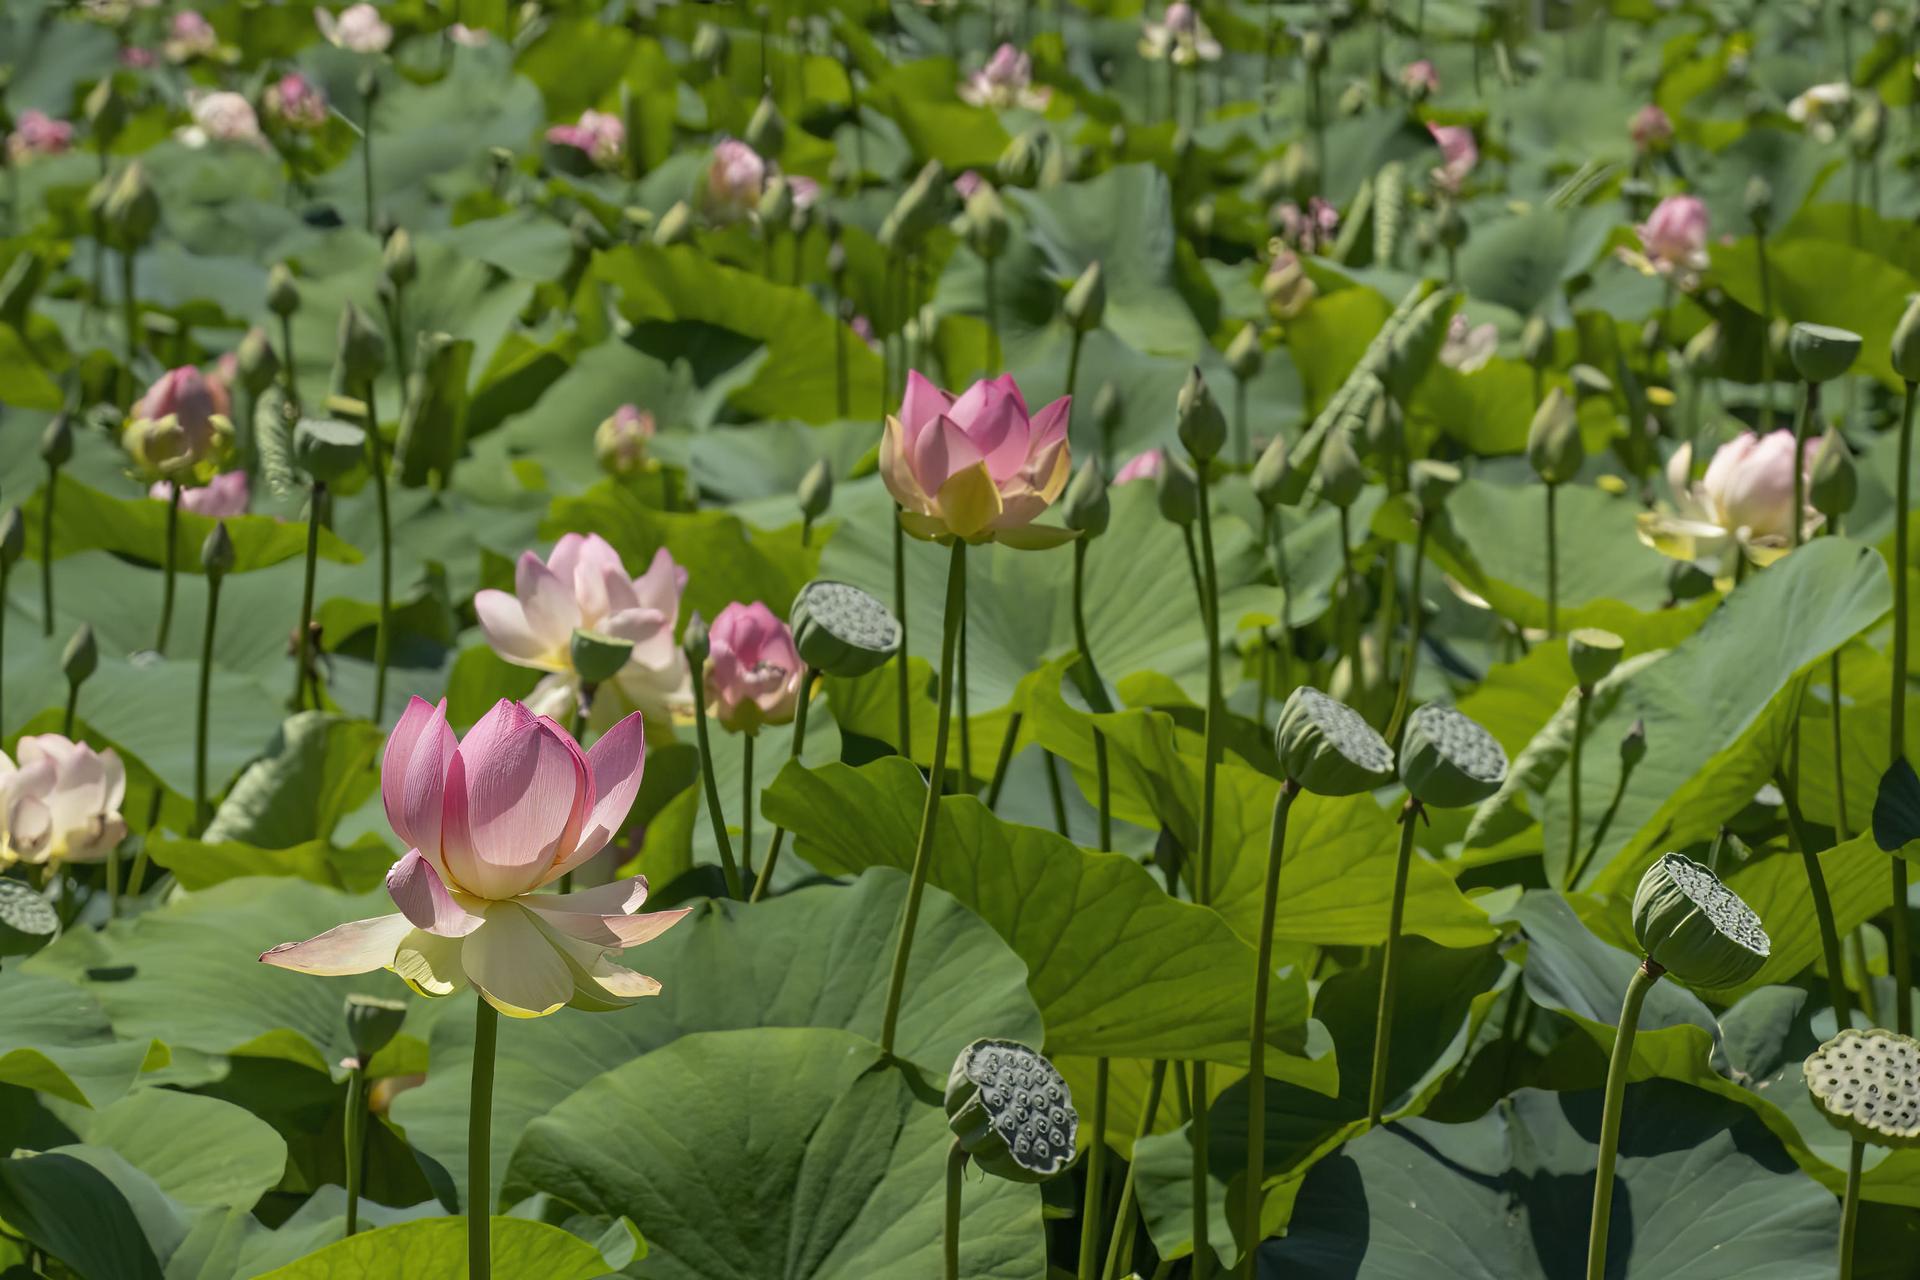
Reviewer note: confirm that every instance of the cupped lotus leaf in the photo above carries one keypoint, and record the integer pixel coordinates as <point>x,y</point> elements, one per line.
<point>1011,1111</point>
<point>1328,748</point>
<point>1868,1083</point>
<point>1695,927</point>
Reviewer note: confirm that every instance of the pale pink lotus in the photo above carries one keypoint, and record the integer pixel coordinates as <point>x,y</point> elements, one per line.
<point>1458,155</point>
<point>1651,129</point>
<point>1005,81</point>
<point>38,134</point>
<point>190,36</point>
<point>1181,36</point>
<point>1742,506</point>
<point>358,29</point>
<point>180,423</point>
<point>487,823</point>
<point>620,441</point>
<point>979,467</point>
<point>224,496</point>
<point>584,584</point>
<point>1675,236</point>
<point>221,116</point>
<point>735,178</point>
<point>1146,465</point>
<point>296,102</point>
<point>1420,79</point>
<point>61,802</point>
<point>600,134</point>
<point>753,670</point>
<point>1468,347</point>
<point>1308,230</point>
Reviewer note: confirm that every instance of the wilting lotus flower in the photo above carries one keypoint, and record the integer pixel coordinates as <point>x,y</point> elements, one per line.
<point>179,426</point>
<point>600,134</point>
<point>735,177</point>
<point>221,116</point>
<point>1146,465</point>
<point>359,29</point>
<point>1287,287</point>
<point>488,822</point>
<point>1420,79</point>
<point>222,497</point>
<point>1458,154</point>
<point>1744,504</point>
<point>1821,109</point>
<point>296,102</point>
<point>61,803</point>
<point>38,134</point>
<point>1650,129</point>
<point>1307,230</point>
<point>190,36</point>
<point>1006,81</point>
<point>1180,35</point>
<point>620,442</point>
<point>1468,348</point>
<point>978,468</point>
<point>583,584</point>
<point>753,670</point>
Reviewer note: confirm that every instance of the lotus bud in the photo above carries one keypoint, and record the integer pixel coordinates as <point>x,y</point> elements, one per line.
<point>132,209</point>
<point>1821,353</point>
<point>397,262</point>
<point>1244,353</point>
<point>695,642</point>
<point>106,110</point>
<point>56,442</point>
<point>1450,229</point>
<point>283,292</point>
<point>216,553</point>
<point>372,1023</point>
<point>1633,745</point>
<point>1109,407</point>
<point>1833,485</point>
<point>368,84</point>
<point>1270,474</point>
<point>1086,301</point>
<point>1536,342</point>
<point>1867,1083</point>
<point>917,210</point>
<point>767,129</point>
<point>1313,50</point>
<point>776,203</point>
<point>1341,479</point>
<point>1554,447</point>
<point>710,44</point>
<point>675,226</point>
<point>1178,492</point>
<point>598,658</point>
<point>1085,508</point>
<point>1868,130</point>
<point>1704,349</point>
<point>1449,762</point>
<point>257,361</point>
<point>1327,748</point>
<point>841,630</point>
<point>1011,1111</point>
<point>987,227</point>
<point>1759,203</point>
<point>1202,427</point>
<point>13,537</point>
<point>1696,928</point>
<point>1594,654</point>
<point>327,449</point>
<point>1386,434</point>
<point>1589,383</point>
<point>361,352</point>
<point>1432,481</point>
<point>81,656</point>
<point>1905,348</point>
<point>1022,159</point>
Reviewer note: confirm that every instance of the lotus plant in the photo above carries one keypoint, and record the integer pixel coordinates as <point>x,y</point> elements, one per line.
<point>1005,81</point>
<point>1740,511</point>
<point>752,679</point>
<point>1011,1114</point>
<point>1866,1084</point>
<point>488,821</point>
<point>1593,654</point>
<point>1820,353</point>
<point>1905,354</point>
<point>177,434</point>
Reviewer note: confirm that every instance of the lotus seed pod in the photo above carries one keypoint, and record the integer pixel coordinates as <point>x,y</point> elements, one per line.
<point>1326,747</point>
<point>1448,761</point>
<point>1536,342</point>
<point>675,226</point>
<point>1086,508</point>
<point>1833,485</point>
<point>1270,474</point>
<point>216,553</point>
<point>397,261</point>
<point>256,361</point>
<point>1821,353</point>
<point>132,209</point>
<point>1178,492</point>
<point>1554,447</point>
<point>816,490</point>
<point>1594,654</point>
<point>13,537</point>
<point>1433,481</point>
<point>1759,203</point>
<point>1905,348</point>
<point>283,292</point>
<point>56,442</point>
<point>1202,427</point>
<point>1086,302</point>
<point>106,110</point>
<point>598,658</point>
<point>841,630</point>
<point>1341,479</point>
<point>327,449</point>
<point>695,642</point>
<point>1633,745</point>
<point>372,1023</point>
<point>1695,927</point>
<point>360,353</point>
<point>987,227</point>
<point>1011,1111</point>
<point>1868,1084</point>
<point>1109,407</point>
<point>81,656</point>
<point>767,129</point>
<point>1244,353</point>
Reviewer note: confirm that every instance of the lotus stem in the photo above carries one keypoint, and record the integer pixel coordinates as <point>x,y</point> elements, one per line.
<point>1581,697</point>
<point>715,814</point>
<point>1096,691</point>
<point>383,637</point>
<point>201,808</point>
<point>1057,796</point>
<point>1902,513</point>
<point>1850,1208</point>
<point>355,1127</point>
<point>746,808</point>
<point>130,318</point>
<point>1822,905</point>
<point>1618,1064</point>
<point>993,322</point>
<point>1094,1202</point>
<point>486,1030</point>
<point>950,1239</point>
<point>965,718</point>
<point>286,367</point>
<point>1210,759</point>
<point>1809,408</point>
<point>807,676</point>
<point>73,706</point>
<point>1346,625</point>
<point>1410,813</point>
<point>302,639</point>
<point>1416,621</point>
<point>905,687</point>
<point>1120,1247</point>
<point>1284,575</point>
<point>1841,828</point>
<point>170,558</point>
<point>366,155</point>
<point>46,547</point>
<point>1241,443</point>
<point>1004,759</point>
<point>1073,380</point>
<point>930,813</point>
<point>582,713</point>
<point>6,572</point>
<point>1553,562</point>
<point>1257,1038</point>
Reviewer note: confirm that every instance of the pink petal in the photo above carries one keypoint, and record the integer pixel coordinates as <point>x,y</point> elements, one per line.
<point>1000,431</point>
<point>896,470</point>
<point>359,946</point>
<point>513,797</point>
<point>618,761</point>
<point>413,774</point>
<point>942,451</point>
<point>508,633</point>
<point>416,888</point>
<point>548,600</point>
<point>600,579</point>
<point>613,930</point>
<point>922,403</point>
<point>1050,424</point>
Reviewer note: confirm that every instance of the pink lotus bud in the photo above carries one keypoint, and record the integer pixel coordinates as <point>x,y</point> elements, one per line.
<point>221,116</point>
<point>1458,153</point>
<point>1146,465</point>
<point>600,134</point>
<point>61,803</point>
<point>190,36</point>
<point>1675,236</point>
<point>735,177</point>
<point>296,102</point>
<point>38,134</point>
<point>359,29</point>
<point>1420,79</point>
<point>1650,128</point>
<point>620,442</point>
<point>753,670</point>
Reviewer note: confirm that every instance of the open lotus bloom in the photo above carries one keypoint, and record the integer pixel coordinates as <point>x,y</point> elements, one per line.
<point>1468,347</point>
<point>359,29</point>
<point>1742,506</point>
<point>583,584</point>
<point>1180,35</point>
<point>753,670</point>
<point>1006,81</point>
<point>1674,239</point>
<point>488,822</point>
<point>980,467</point>
<point>61,803</point>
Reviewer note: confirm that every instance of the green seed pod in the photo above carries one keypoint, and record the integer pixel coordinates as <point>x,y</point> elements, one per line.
<point>1759,203</point>
<point>106,110</point>
<point>1448,761</point>
<point>1554,447</point>
<point>1326,747</point>
<point>1085,507</point>
<point>1833,484</point>
<point>841,630</point>
<point>598,658</point>
<point>1011,1111</point>
<point>816,490</point>
<point>216,553</point>
<point>1821,353</point>
<point>1178,492</point>
<point>1695,927</point>
<point>132,209</point>
<point>361,353</point>
<point>1868,1084</point>
<point>13,537</point>
<point>1905,348</point>
<point>767,129</point>
<point>81,656</point>
<point>675,226</point>
<point>987,227</point>
<point>1341,478</point>
<point>327,449</point>
<point>56,442</point>
<point>1536,342</point>
<point>1086,302</point>
<point>1270,474</point>
<point>1594,654</point>
<point>1433,481</point>
<point>283,292</point>
<point>695,642</point>
<point>1202,427</point>
<point>258,364</point>
<point>372,1023</point>
<point>397,260</point>
<point>1244,353</point>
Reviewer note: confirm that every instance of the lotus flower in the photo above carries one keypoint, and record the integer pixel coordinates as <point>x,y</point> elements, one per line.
<point>1650,129</point>
<point>1468,348</point>
<point>1006,81</point>
<point>967,183</point>
<point>1146,465</point>
<point>61,803</point>
<point>223,496</point>
<point>1180,35</point>
<point>487,822</point>
<point>753,670</point>
<point>735,178</point>
<point>190,36</point>
<point>1458,155</point>
<point>1420,79</point>
<point>1821,109</point>
<point>359,29</point>
<point>470,37</point>
<point>221,116</point>
<point>1287,287</point>
<point>1309,229</point>
<point>1744,504</point>
<point>979,467</point>
<point>38,134</point>
<point>296,102</point>
<point>620,442</point>
<point>584,584</point>
<point>1675,236</point>
<point>600,134</point>
<point>180,426</point>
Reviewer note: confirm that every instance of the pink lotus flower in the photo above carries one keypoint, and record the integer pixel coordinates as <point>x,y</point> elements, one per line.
<point>967,183</point>
<point>179,424</point>
<point>735,177</point>
<point>599,133</point>
<point>224,496</point>
<point>1650,129</point>
<point>38,134</point>
<point>1675,236</point>
<point>1420,79</point>
<point>359,29</point>
<point>61,803</point>
<point>135,58</point>
<point>221,116</point>
<point>1743,505</point>
<point>1180,35</point>
<point>753,671</point>
<point>190,36</point>
<point>863,330</point>
<point>488,822</point>
<point>1146,465</point>
<point>1468,347</point>
<point>1458,154</point>
<point>979,467</point>
<point>583,584</point>
<point>805,191</point>
<point>1006,81</point>
<point>296,102</point>
<point>1307,230</point>
<point>620,442</point>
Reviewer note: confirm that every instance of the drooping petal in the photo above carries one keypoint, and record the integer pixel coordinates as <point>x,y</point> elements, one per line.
<point>413,774</point>
<point>359,946</point>
<point>618,980</point>
<point>611,930</point>
<point>942,452</point>
<point>617,760</point>
<point>504,624</point>
<point>513,789</point>
<point>516,968</point>
<point>416,888</point>
<point>623,896</point>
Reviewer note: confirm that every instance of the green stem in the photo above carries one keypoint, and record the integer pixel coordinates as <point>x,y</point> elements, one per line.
<point>1203,1257</point>
<point>1122,1243</point>
<point>383,637</point>
<point>170,559</point>
<point>486,1029</point>
<point>1073,380</point>
<point>1240,437</point>
<point>807,676</point>
<point>355,1127</point>
<point>950,1238</point>
<point>1850,1209</point>
<point>1617,1069</point>
<point>6,572</point>
<point>1096,691</point>
<point>715,814</point>
<point>130,317</point>
<point>366,157</point>
<point>201,808</point>
<point>965,719</point>
<point>746,809</point>
<point>993,323</point>
<point>1582,695</point>
<point>302,639</point>
<point>1210,761</point>
<point>1553,562</point>
<point>1283,574</point>
<point>1897,746</point>
<point>1410,814</point>
<point>1257,1037</point>
<point>1416,620</point>
<point>936,779</point>
<point>582,713</point>
<point>1004,759</point>
<point>1808,408</point>
<point>46,549</point>
<point>1841,827</point>
<point>905,687</point>
<point>1093,1203</point>
<point>73,707</point>
<point>1822,904</point>
<point>1345,625</point>
<point>1056,795</point>
<point>286,364</point>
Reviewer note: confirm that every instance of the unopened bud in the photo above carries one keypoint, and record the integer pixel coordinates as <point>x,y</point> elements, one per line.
<point>216,553</point>
<point>81,656</point>
<point>816,490</point>
<point>1086,507</point>
<point>1086,303</point>
<point>1202,427</point>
